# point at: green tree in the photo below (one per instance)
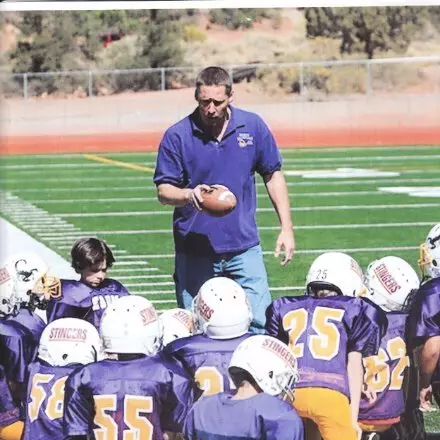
(367, 30)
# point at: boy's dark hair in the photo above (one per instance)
(214, 76)
(238, 376)
(89, 252)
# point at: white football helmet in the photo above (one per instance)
(430, 254)
(176, 324)
(130, 325)
(390, 280)
(270, 362)
(30, 272)
(70, 341)
(221, 309)
(335, 271)
(9, 304)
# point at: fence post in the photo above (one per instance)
(301, 79)
(162, 79)
(90, 83)
(368, 85)
(25, 86)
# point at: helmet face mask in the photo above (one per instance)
(270, 363)
(130, 325)
(391, 283)
(30, 273)
(221, 309)
(334, 273)
(429, 261)
(68, 341)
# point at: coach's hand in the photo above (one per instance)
(285, 243)
(194, 196)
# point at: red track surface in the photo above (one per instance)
(148, 141)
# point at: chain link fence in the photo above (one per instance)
(305, 80)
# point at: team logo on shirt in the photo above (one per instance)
(244, 140)
(386, 279)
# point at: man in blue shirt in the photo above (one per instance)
(221, 145)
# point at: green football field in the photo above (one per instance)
(369, 202)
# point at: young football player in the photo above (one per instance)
(391, 284)
(87, 298)
(29, 272)
(11, 427)
(328, 331)
(134, 393)
(425, 319)
(264, 372)
(65, 344)
(17, 344)
(222, 316)
(176, 324)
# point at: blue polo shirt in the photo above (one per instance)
(188, 157)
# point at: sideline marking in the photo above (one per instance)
(118, 163)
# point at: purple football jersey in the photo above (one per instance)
(45, 401)
(17, 350)
(322, 331)
(147, 395)
(206, 360)
(425, 312)
(385, 371)
(31, 321)
(78, 300)
(9, 412)
(219, 417)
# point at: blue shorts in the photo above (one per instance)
(246, 268)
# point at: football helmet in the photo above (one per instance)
(221, 309)
(429, 261)
(70, 341)
(9, 304)
(337, 272)
(270, 362)
(176, 324)
(130, 325)
(390, 282)
(30, 272)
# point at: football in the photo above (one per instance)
(218, 201)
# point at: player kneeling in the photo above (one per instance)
(65, 344)
(328, 330)
(134, 393)
(222, 316)
(264, 371)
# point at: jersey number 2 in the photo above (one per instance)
(325, 343)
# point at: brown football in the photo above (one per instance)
(218, 201)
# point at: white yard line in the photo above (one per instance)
(65, 235)
(139, 176)
(139, 277)
(315, 183)
(160, 283)
(299, 160)
(154, 199)
(296, 209)
(312, 251)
